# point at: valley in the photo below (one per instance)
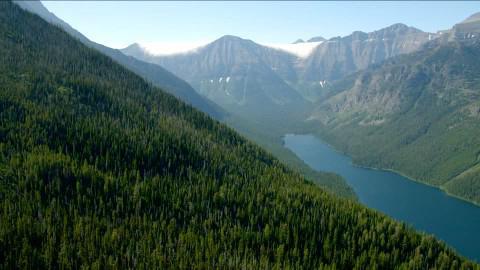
(134, 158)
(392, 98)
(415, 114)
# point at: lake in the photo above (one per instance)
(424, 207)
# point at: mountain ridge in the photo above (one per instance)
(311, 71)
(154, 73)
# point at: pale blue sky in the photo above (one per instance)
(118, 24)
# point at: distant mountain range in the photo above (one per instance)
(302, 67)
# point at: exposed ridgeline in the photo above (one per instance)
(418, 113)
(242, 76)
(275, 75)
(468, 29)
(338, 57)
(99, 169)
(153, 73)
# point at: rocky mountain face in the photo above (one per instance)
(153, 73)
(416, 113)
(446, 62)
(316, 39)
(468, 29)
(337, 57)
(236, 73)
(278, 76)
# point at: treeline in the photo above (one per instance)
(100, 170)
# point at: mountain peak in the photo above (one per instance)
(162, 48)
(230, 42)
(229, 38)
(472, 18)
(468, 29)
(397, 29)
(134, 50)
(298, 41)
(400, 27)
(133, 46)
(316, 39)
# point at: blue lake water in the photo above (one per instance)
(426, 208)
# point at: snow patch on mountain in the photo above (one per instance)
(299, 49)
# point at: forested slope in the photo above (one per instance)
(99, 169)
(168, 82)
(152, 73)
(417, 114)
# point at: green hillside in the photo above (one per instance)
(417, 114)
(152, 73)
(99, 169)
(270, 137)
(169, 83)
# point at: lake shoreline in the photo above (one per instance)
(425, 207)
(441, 188)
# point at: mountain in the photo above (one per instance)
(298, 41)
(100, 169)
(307, 68)
(472, 18)
(417, 114)
(232, 68)
(316, 39)
(240, 75)
(341, 56)
(467, 29)
(336, 58)
(153, 73)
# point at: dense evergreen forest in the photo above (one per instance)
(99, 169)
(267, 134)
